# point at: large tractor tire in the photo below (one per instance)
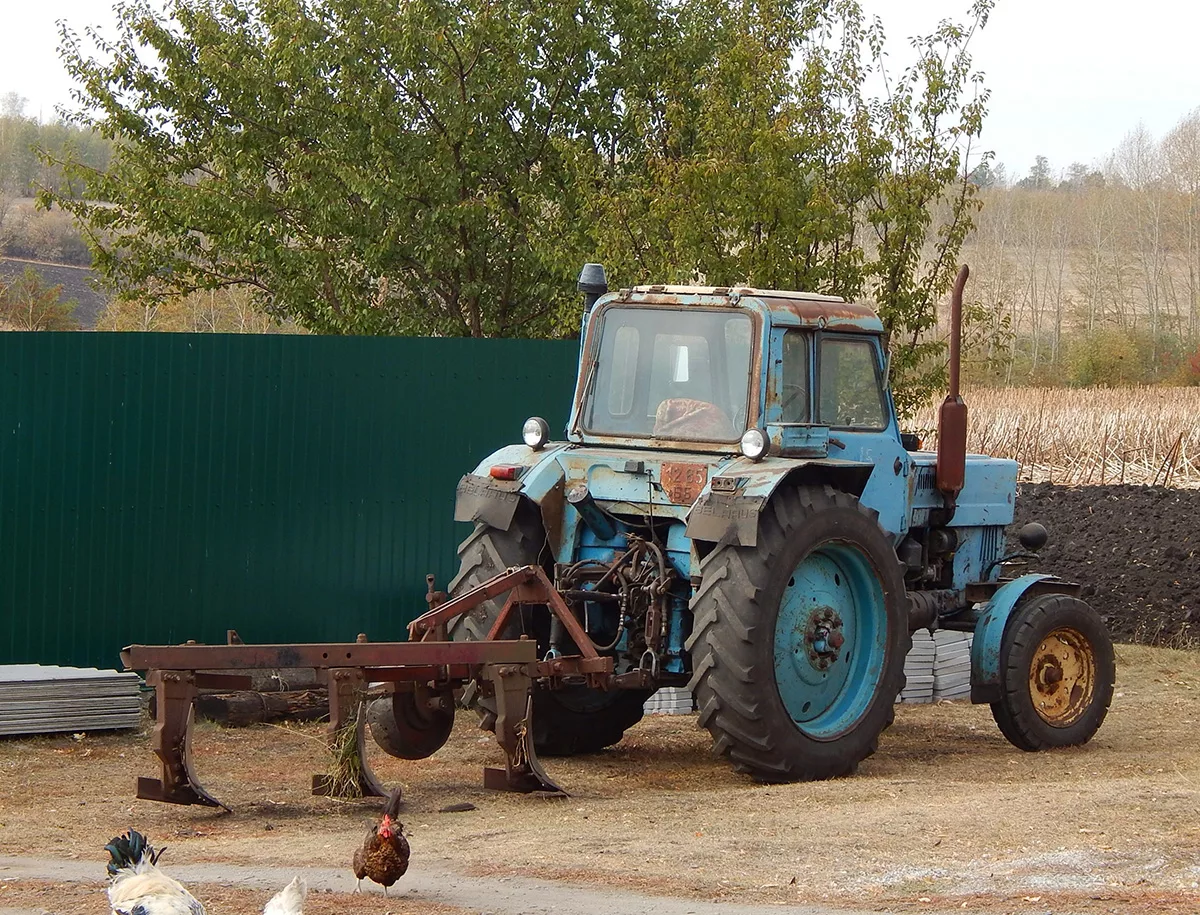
(1057, 672)
(798, 643)
(565, 721)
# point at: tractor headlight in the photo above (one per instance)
(754, 444)
(536, 433)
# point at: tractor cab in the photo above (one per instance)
(726, 370)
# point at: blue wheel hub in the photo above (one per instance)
(830, 640)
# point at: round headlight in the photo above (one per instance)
(536, 432)
(754, 444)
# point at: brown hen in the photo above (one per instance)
(383, 855)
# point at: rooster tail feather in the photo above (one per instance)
(130, 849)
(392, 807)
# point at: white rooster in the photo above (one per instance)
(138, 887)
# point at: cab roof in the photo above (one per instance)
(781, 308)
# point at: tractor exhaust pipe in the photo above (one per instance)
(952, 418)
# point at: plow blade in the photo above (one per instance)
(174, 692)
(522, 772)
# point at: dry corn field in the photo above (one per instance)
(1081, 436)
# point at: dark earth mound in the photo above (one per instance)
(1133, 548)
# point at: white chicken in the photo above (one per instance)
(289, 900)
(138, 887)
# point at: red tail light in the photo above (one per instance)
(505, 471)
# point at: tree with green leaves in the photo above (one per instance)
(366, 167)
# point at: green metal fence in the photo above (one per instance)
(161, 487)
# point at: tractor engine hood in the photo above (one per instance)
(719, 496)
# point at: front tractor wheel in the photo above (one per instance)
(565, 721)
(1057, 671)
(798, 643)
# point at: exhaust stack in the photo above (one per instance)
(592, 283)
(952, 418)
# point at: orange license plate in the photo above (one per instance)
(683, 482)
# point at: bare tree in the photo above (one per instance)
(1181, 156)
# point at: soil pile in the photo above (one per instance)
(1135, 550)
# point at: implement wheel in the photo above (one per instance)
(565, 721)
(411, 724)
(798, 643)
(1057, 672)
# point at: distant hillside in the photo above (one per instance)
(75, 281)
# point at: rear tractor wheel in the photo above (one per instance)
(565, 721)
(798, 643)
(1057, 672)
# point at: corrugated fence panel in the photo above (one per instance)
(161, 487)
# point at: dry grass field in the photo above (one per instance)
(946, 816)
(1080, 436)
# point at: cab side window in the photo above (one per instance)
(850, 393)
(793, 395)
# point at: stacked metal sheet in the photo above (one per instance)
(670, 700)
(44, 699)
(952, 665)
(918, 669)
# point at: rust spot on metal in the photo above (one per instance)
(683, 481)
(822, 312)
(1062, 677)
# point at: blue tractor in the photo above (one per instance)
(735, 508)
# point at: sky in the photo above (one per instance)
(1069, 78)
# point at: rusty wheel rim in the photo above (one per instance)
(1062, 677)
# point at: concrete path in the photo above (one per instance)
(491, 895)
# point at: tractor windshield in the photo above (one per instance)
(671, 374)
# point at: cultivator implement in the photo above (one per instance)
(423, 678)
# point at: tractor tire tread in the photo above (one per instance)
(728, 617)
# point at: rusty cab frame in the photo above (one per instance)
(429, 671)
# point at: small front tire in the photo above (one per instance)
(1057, 673)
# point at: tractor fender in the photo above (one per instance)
(728, 507)
(480, 498)
(989, 633)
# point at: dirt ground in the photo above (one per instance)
(88, 899)
(946, 816)
(1135, 550)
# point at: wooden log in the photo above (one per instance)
(243, 707)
